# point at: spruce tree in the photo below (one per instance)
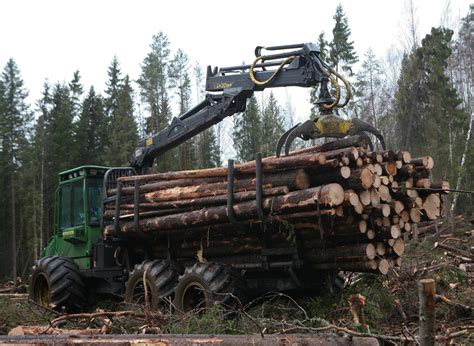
(113, 84)
(461, 66)
(211, 154)
(119, 114)
(5, 252)
(272, 126)
(342, 55)
(55, 138)
(427, 105)
(76, 91)
(247, 135)
(60, 131)
(41, 153)
(323, 45)
(15, 129)
(124, 134)
(91, 134)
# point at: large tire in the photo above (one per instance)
(321, 282)
(57, 283)
(161, 278)
(206, 284)
(334, 282)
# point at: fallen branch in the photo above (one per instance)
(446, 300)
(454, 250)
(109, 314)
(51, 311)
(353, 333)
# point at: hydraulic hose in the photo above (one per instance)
(257, 82)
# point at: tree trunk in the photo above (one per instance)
(294, 180)
(325, 255)
(355, 179)
(426, 292)
(208, 201)
(463, 161)
(35, 223)
(331, 194)
(268, 165)
(361, 266)
(13, 229)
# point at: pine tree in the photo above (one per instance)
(341, 50)
(208, 153)
(370, 88)
(15, 129)
(370, 102)
(91, 135)
(247, 134)
(272, 126)
(181, 82)
(153, 82)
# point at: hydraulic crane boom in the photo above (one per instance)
(229, 88)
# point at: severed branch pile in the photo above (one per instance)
(347, 208)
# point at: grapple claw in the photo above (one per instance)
(329, 126)
(282, 140)
(361, 126)
(304, 131)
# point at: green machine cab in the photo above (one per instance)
(77, 215)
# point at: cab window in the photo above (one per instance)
(65, 205)
(94, 196)
(72, 205)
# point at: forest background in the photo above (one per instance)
(419, 95)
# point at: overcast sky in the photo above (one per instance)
(52, 39)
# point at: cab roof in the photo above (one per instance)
(85, 170)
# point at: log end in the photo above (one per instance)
(384, 266)
(331, 194)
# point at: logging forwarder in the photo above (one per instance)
(81, 262)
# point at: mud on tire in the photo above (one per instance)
(161, 279)
(206, 284)
(57, 283)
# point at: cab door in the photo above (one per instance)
(71, 223)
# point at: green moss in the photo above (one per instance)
(211, 321)
(379, 302)
(20, 312)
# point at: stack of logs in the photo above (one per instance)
(346, 207)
